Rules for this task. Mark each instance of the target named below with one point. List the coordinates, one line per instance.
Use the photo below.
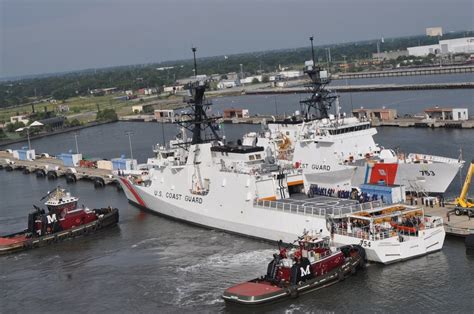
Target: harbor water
(153, 264)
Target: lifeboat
(310, 266)
(62, 220)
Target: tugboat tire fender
(99, 183)
(293, 292)
(353, 270)
(94, 227)
(40, 173)
(340, 275)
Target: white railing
(364, 233)
(314, 210)
(432, 158)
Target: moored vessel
(339, 152)
(311, 266)
(390, 233)
(63, 220)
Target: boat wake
(225, 269)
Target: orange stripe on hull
(299, 182)
(270, 198)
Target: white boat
(339, 152)
(390, 233)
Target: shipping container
(389, 194)
(124, 164)
(104, 164)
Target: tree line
(61, 87)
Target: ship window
(287, 132)
(258, 156)
(251, 157)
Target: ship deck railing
(321, 206)
(432, 158)
(404, 235)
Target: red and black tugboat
(63, 220)
(310, 266)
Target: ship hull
(20, 243)
(260, 294)
(234, 214)
(433, 178)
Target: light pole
(77, 146)
(27, 128)
(130, 143)
(28, 135)
(329, 57)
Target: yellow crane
(463, 204)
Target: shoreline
(61, 131)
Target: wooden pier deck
(53, 168)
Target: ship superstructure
(201, 180)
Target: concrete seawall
(365, 88)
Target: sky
(49, 36)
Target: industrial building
(227, 84)
(449, 46)
(21, 118)
(390, 55)
(382, 114)
(142, 108)
(434, 31)
(164, 115)
(173, 89)
(453, 114)
(236, 113)
(249, 79)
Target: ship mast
(318, 104)
(198, 121)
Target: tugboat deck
(317, 205)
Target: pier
(423, 123)
(53, 168)
(407, 72)
(364, 88)
(460, 226)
